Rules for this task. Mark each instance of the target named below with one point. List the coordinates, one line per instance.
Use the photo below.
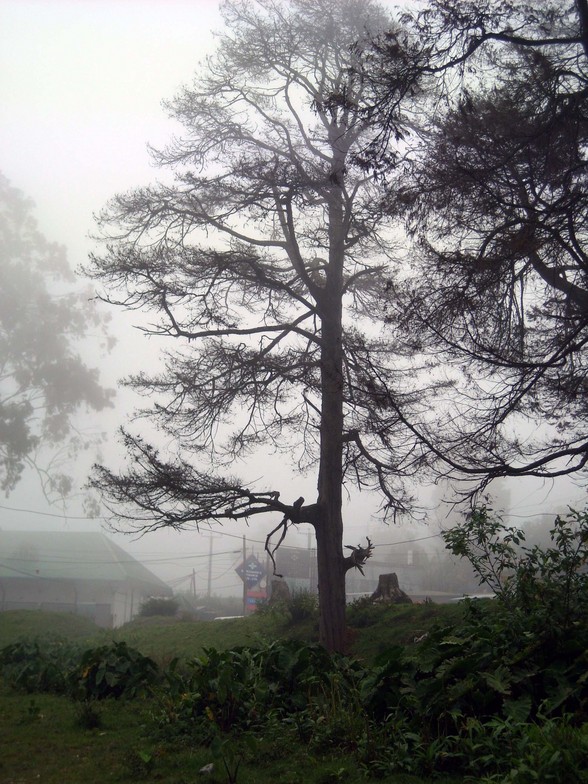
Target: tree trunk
(329, 529)
(331, 584)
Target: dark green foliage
(219, 689)
(284, 683)
(481, 670)
(36, 666)
(488, 695)
(451, 705)
(159, 605)
(550, 751)
(276, 696)
(303, 606)
(52, 665)
(549, 585)
(539, 625)
(114, 670)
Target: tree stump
(280, 592)
(389, 591)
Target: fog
(81, 85)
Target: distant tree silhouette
(43, 378)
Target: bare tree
(265, 260)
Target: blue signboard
(251, 571)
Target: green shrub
(537, 625)
(503, 694)
(218, 690)
(287, 683)
(550, 751)
(114, 670)
(87, 716)
(549, 585)
(41, 665)
(303, 606)
(159, 605)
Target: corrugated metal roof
(67, 555)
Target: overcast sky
(81, 85)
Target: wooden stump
(388, 590)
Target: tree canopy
(496, 199)
(43, 378)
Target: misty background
(81, 86)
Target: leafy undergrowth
(43, 741)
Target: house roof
(68, 555)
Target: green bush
(548, 585)
(537, 625)
(41, 665)
(87, 716)
(303, 606)
(114, 670)
(286, 684)
(159, 605)
(216, 691)
(504, 692)
(448, 706)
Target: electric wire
(263, 541)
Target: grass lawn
(372, 630)
(18, 624)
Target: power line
(48, 514)
(220, 532)
(409, 541)
(171, 559)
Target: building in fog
(409, 562)
(82, 573)
(298, 567)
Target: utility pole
(268, 578)
(209, 585)
(244, 575)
